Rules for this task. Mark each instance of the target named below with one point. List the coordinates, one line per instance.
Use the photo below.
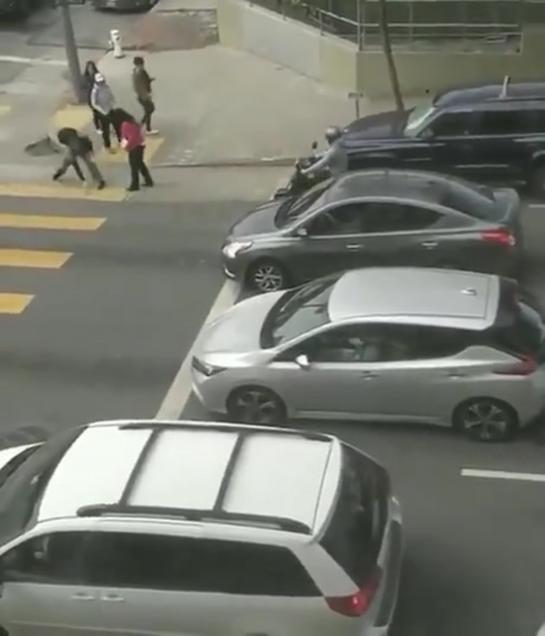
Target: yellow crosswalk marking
(33, 258)
(72, 116)
(49, 222)
(14, 303)
(60, 191)
(4, 109)
(120, 156)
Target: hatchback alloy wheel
(486, 420)
(267, 276)
(254, 405)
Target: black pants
(105, 123)
(138, 167)
(69, 160)
(149, 108)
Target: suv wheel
(486, 420)
(537, 181)
(267, 276)
(255, 405)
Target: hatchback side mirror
(302, 232)
(303, 361)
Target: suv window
(454, 124)
(382, 343)
(354, 535)
(507, 122)
(198, 565)
(53, 558)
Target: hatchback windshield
(417, 117)
(22, 488)
(297, 312)
(294, 208)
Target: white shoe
(152, 132)
(98, 131)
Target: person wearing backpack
(78, 146)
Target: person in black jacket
(88, 81)
(78, 147)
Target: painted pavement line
(14, 303)
(120, 156)
(502, 474)
(178, 394)
(15, 59)
(42, 259)
(59, 191)
(51, 222)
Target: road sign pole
(71, 52)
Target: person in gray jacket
(103, 102)
(334, 159)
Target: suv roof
(422, 295)
(196, 471)
(504, 92)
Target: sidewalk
(215, 106)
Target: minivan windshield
(297, 312)
(293, 208)
(417, 116)
(21, 490)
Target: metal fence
(413, 23)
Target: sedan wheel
(486, 420)
(267, 276)
(255, 405)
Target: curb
(260, 162)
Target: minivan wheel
(267, 276)
(255, 405)
(486, 420)
(537, 182)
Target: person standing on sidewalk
(102, 100)
(141, 82)
(132, 140)
(78, 147)
(87, 82)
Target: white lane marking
(34, 61)
(180, 389)
(502, 474)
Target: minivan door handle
(82, 596)
(429, 245)
(112, 598)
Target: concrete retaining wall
(338, 63)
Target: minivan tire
(266, 275)
(536, 181)
(256, 405)
(485, 420)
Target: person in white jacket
(103, 102)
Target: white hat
(99, 78)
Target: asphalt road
(106, 333)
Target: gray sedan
(376, 217)
(383, 344)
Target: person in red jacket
(133, 141)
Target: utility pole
(388, 53)
(71, 51)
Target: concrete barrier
(337, 62)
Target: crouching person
(77, 147)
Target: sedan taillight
(500, 236)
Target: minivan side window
(149, 561)
(354, 535)
(52, 558)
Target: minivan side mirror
(303, 361)
(302, 232)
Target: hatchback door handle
(354, 246)
(82, 596)
(113, 598)
(429, 245)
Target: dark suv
(485, 133)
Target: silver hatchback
(380, 344)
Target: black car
(376, 217)
(493, 133)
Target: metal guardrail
(357, 21)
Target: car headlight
(232, 249)
(205, 368)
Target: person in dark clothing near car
(141, 82)
(133, 141)
(87, 82)
(78, 147)
(333, 161)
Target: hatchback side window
(454, 124)
(198, 565)
(419, 342)
(345, 219)
(382, 216)
(53, 558)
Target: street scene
(272, 350)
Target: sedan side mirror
(302, 232)
(303, 361)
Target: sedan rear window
(297, 312)
(475, 201)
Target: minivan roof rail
(191, 514)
